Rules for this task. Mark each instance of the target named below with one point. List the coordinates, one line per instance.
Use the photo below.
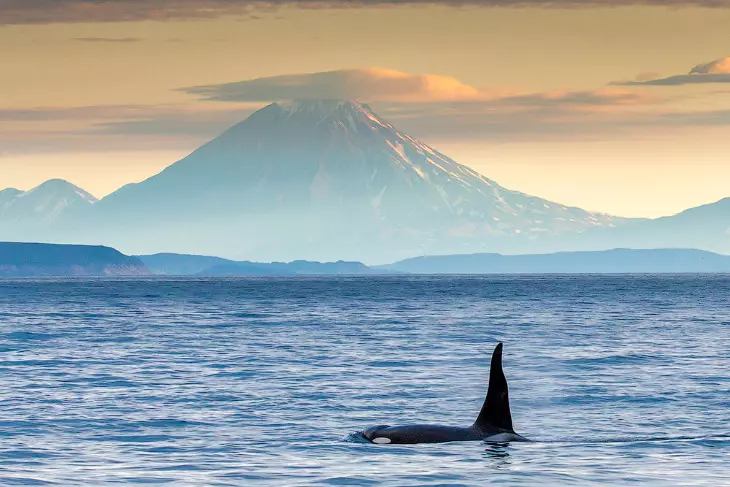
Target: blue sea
(265, 381)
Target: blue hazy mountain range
(616, 261)
(328, 180)
(30, 259)
(621, 261)
(182, 264)
(43, 206)
(33, 259)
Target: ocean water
(197, 382)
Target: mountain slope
(705, 227)
(320, 152)
(324, 180)
(44, 204)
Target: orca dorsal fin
(495, 412)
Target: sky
(613, 106)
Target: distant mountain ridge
(44, 204)
(320, 180)
(37, 259)
(183, 264)
(30, 259)
(704, 227)
(180, 264)
(615, 261)
(298, 267)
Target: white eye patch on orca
(381, 441)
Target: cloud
(387, 85)
(710, 118)
(572, 117)
(424, 105)
(647, 76)
(103, 128)
(441, 107)
(717, 71)
(530, 118)
(76, 113)
(194, 125)
(138, 127)
(371, 84)
(578, 115)
(719, 66)
(535, 124)
(55, 11)
(524, 117)
(432, 107)
(576, 100)
(114, 40)
(152, 128)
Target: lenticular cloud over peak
(371, 83)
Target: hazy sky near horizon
(621, 107)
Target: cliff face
(34, 259)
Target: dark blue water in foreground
(199, 382)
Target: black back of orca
(494, 420)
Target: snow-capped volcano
(43, 204)
(336, 164)
(323, 180)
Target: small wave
(635, 440)
(28, 335)
(26, 481)
(356, 437)
(171, 423)
(135, 438)
(249, 315)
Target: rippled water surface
(197, 382)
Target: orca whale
(494, 422)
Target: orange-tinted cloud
(112, 127)
(570, 117)
(719, 66)
(371, 84)
(54, 11)
(717, 71)
(387, 85)
(432, 105)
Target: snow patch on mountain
(44, 204)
